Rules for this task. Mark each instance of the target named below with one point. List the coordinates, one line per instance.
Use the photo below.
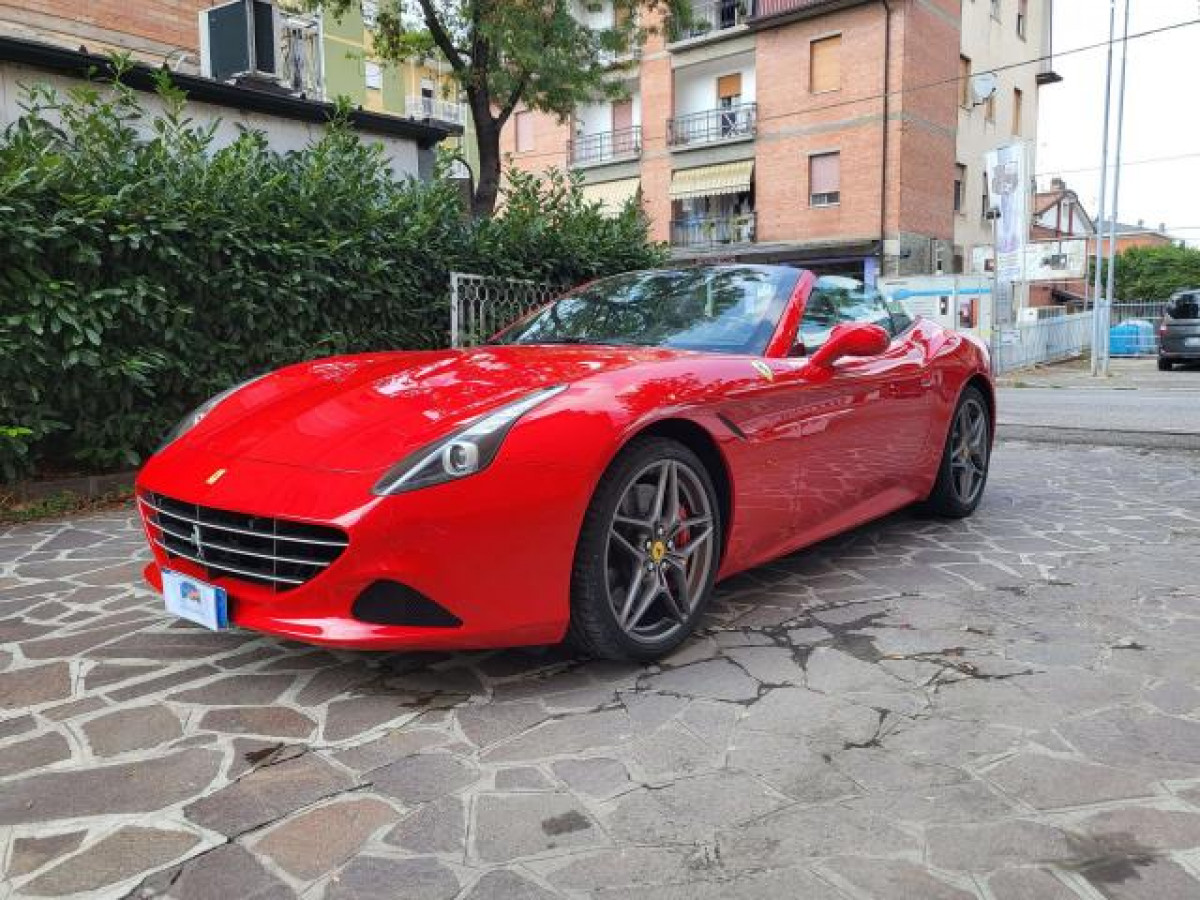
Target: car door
(887, 399)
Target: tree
(1154, 273)
(505, 53)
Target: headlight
(465, 452)
(196, 416)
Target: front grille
(263, 550)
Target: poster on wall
(1008, 192)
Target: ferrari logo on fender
(764, 370)
(216, 476)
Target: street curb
(1100, 437)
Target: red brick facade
(148, 29)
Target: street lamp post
(1106, 310)
(1097, 301)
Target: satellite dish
(983, 86)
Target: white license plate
(1191, 342)
(191, 599)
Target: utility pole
(1106, 309)
(1099, 282)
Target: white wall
(596, 118)
(991, 43)
(282, 134)
(696, 86)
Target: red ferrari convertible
(588, 474)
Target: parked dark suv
(1179, 333)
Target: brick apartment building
(830, 133)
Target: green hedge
(142, 269)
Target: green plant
(143, 267)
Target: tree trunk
(487, 185)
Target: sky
(1162, 111)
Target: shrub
(142, 269)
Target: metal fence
(480, 305)
(1048, 340)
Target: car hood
(361, 413)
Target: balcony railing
(764, 9)
(713, 125)
(713, 231)
(709, 16)
(606, 146)
(438, 110)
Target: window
(374, 75)
(835, 300)
(1018, 100)
(996, 10)
(987, 200)
(729, 96)
(989, 108)
(1022, 18)
(825, 64)
(824, 179)
(964, 82)
(524, 131)
(960, 187)
(370, 12)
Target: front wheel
(647, 554)
(963, 470)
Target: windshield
(727, 309)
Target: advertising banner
(1008, 182)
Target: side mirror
(850, 339)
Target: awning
(712, 181)
(612, 195)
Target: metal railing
(438, 110)
(607, 145)
(1049, 340)
(713, 231)
(766, 8)
(708, 16)
(713, 125)
(481, 305)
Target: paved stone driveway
(1005, 709)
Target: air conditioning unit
(240, 40)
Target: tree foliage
(508, 53)
(1154, 273)
(143, 269)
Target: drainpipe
(883, 175)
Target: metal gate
(480, 305)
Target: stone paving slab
(1006, 708)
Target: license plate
(1191, 342)
(191, 599)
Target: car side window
(902, 317)
(837, 299)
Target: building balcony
(713, 126)
(605, 147)
(437, 110)
(765, 9)
(710, 17)
(706, 232)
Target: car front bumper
(495, 550)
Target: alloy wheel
(969, 450)
(661, 548)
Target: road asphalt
(1139, 406)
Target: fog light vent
(392, 603)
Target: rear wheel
(963, 471)
(1164, 365)
(647, 554)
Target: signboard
(1008, 183)
(1042, 260)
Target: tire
(668, 557)
(948, 498)
(1165, 365)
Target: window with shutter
(825, 64)
(524, 128)
(964, 82)
(729, 88)
(824, 179)
(1017, 112)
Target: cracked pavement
(1005, 708)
